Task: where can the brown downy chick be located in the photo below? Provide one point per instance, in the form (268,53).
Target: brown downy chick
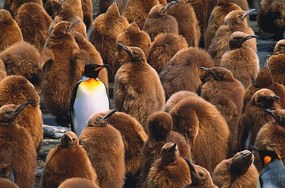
(276,66)
(67,160)
(201,123)
(158,21)
(87,9)
(60,71)
(176,98)
(241,60)
(22,59)
(105,4)
(6,183)
(77,7)
(10,32)
(238,171)
(17,90)
(52,7)
(105,30)
(134,36)
(230,105)
(234,21)
(254,116)
(280,47)
(187,22)
(134,94)
(107,158)
(34,22)
(137,10)
(13,5)
(163,48)
(78,183)
(216,19)
(67,13)
(171,170)
(183,70)
(95,56)
(264,80)
(160,132)
(17,147)
(3,72)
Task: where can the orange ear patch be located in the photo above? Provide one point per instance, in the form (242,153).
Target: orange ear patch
(267,160)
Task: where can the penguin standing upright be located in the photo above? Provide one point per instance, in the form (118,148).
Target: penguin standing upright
(89,96)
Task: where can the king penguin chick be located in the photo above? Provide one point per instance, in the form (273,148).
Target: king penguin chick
(52,7)
(134,138)
(158,21)
(241,60)
(216,19)
(3,72)
(78,183)
(133,36)
(14,5)
(273,172)
(238,171)
(183,70)
(187,22)
(17,90)
(89,96)
(230,105)
(234,21)
(17,147)
(22,59)
(279,47)
(67,160)
(135,95)
(77,7)
(163,48)
(105,4)
(107,158)
(171,170)
(137,10)
(254,116)
(34,22)
(160,132)
(105,30)
(10,32)
(276,66)
(201,123)
(87,9)
(6,183)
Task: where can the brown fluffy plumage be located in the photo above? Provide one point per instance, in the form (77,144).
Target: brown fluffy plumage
(204,128)
(271,17)
(95,57)
(170,170)
(105,30)
(67,160)
(230,105)
(133,36)
(237,171)
(3,72)
(87,8)
(187,22)
(137,10)
(160,132)
(280,47)
(276,65)
(17,90)
(158,21)
(6,183)
(234,21)
(134,94)
(22,59)
(163,48)
(105,4)
(78,183)
(242,60)
(17,147)
(13,5)
(34,23)
(10,32)
(60,71)
(216,19)
(176,98)
(254,116)
(183,70)
(77,7)
(105,148)
(52,7)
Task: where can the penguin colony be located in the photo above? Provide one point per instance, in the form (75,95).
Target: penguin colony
(191,101)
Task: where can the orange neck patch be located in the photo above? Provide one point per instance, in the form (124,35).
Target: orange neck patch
(91,84)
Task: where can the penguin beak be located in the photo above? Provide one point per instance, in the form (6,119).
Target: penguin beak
(249,37)
(167,6)
(130,53)
(212,73)
(97,69)
(65,140)
(74,23)
(107,116)
(275,97)
(20,108)
(248,13)
(171,148)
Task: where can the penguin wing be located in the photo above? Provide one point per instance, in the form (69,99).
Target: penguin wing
(119,96)
(46,59)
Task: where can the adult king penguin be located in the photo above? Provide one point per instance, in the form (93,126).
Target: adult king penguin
(89,96)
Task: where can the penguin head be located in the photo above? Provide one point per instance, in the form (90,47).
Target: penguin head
(164,8)
(280,47)
(264,98)
(100,119)
(9,112)
(267,156)
(92,70)
(62,29)
(219,73)
(169,152)
(241,161)
(5,16)
(130,54)
(238,38)
(159,125)
(66,10)
(278,115)
(237,17)
(69,139)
